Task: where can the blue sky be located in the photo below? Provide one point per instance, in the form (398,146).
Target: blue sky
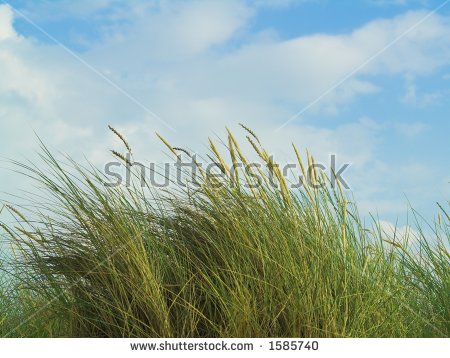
(189,68)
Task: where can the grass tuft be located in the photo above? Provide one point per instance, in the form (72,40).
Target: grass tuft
(223,259)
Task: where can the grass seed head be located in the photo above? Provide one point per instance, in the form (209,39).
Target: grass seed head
(121,137)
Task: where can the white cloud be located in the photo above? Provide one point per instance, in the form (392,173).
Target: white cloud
(421,99)
(6,23)
(410,95)
(172,33)
(299,70)
(405,235)
(421,50)
(199,26)
(409,129)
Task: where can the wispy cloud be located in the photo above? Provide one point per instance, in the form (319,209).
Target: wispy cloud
(410,129)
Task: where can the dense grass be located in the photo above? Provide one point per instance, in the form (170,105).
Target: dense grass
(221,260)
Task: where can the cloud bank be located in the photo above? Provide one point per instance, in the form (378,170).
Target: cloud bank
(199,66)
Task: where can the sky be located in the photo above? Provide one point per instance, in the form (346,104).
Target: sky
(368,81)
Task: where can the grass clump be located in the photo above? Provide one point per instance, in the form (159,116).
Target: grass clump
(240,254)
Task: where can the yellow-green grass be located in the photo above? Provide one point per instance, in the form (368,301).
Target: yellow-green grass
(221,260)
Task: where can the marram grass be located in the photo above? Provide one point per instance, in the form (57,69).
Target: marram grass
(215,260)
